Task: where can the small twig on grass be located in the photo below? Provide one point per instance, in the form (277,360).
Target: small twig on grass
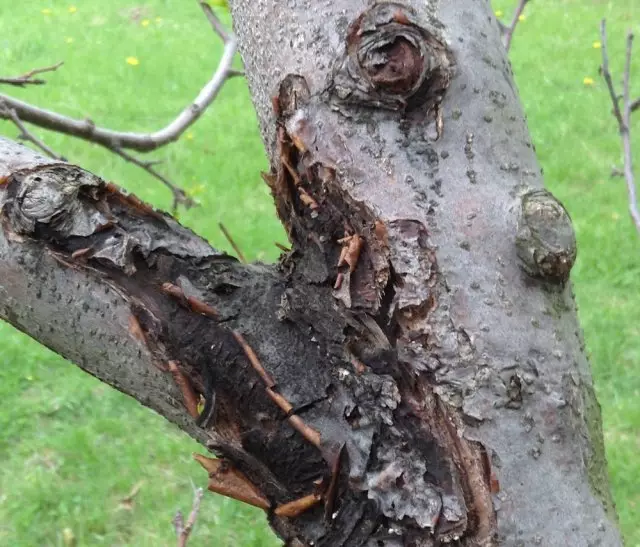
(507,31)
(232,243)
(616,172)
(27,78)
(26,135)
(623,116)
(128,501)
(184,530)
(119,141)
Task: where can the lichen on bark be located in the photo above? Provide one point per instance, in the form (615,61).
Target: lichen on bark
(595,456)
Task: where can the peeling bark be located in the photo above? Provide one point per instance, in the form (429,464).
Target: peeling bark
(399,377)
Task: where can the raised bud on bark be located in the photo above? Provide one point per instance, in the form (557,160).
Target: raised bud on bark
(545,241)
(391,61)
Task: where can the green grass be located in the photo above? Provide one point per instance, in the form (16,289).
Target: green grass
(67,460)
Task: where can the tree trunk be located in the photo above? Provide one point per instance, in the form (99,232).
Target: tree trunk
(412,372)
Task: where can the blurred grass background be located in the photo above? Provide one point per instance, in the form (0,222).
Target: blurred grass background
(67,460)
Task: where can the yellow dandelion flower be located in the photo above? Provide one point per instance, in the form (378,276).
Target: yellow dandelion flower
(189,136)
(68,40)
(522,17)
(68,536)
(499,13)
(597,44)
(587,81)
(72,9)
(145,22)
(46,11)
(196,190)
(133,61)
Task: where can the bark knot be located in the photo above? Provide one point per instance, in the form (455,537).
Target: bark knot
(545,240)
(48,196)
(391,61)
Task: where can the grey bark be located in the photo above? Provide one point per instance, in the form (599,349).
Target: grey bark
(423,325)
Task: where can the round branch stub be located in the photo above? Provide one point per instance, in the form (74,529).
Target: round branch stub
(545,240)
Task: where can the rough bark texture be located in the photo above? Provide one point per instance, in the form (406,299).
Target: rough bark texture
(419,376)
(500,350)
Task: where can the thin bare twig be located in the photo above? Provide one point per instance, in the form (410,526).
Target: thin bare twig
(623,117)
(184,530)
(606,74)
(216,24)
(119,141)
(26,135)
(142,142)
(635,105)
(232,242)
(178,523)
(179,195)
(27,78)
(282,247)
(507,31)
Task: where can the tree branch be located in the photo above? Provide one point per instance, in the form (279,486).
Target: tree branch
(27,78)
(216,24)
(418,402)
(25,134)
(606,74)
(119,141)
(232,242)
(179,195)
(142,292)
(623,117)
(183,530)
(141,142)
(507,31)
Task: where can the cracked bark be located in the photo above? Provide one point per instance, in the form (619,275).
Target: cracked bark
(419,376)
